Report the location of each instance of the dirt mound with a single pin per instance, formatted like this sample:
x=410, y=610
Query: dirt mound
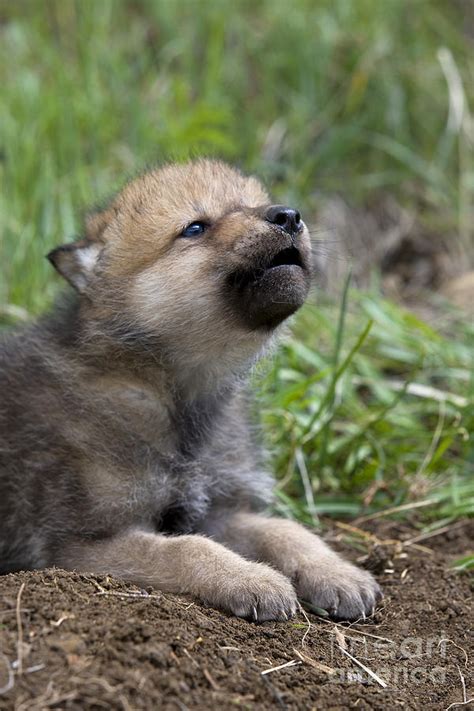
x=73, y=641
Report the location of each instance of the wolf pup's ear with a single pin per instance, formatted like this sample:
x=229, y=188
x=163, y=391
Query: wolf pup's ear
x=76, y=261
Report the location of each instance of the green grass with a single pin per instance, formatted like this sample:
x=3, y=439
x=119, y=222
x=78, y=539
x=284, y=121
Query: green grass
x=350, y=96
x=381, y=420
x=465, y=564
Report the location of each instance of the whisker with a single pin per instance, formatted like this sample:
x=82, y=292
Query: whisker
x=322, y=230
x=330, y=252
x=327, y=241
x=325, y=252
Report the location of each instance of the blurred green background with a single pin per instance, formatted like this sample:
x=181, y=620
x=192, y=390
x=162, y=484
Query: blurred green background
x=366, y=406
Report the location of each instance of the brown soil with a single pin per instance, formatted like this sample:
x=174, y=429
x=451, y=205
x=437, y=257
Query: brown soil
x=71, y=641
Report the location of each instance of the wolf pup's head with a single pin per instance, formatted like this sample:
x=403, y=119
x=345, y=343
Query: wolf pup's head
x=192, y=259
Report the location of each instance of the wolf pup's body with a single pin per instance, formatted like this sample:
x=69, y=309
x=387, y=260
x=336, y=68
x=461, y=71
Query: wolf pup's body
x=122, y=415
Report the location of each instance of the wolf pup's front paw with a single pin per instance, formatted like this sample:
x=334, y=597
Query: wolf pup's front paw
x=258, y=593
x=333, y=584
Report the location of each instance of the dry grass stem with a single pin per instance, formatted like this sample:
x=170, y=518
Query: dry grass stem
x=214, y=685
x=350, y=626
x=459, y=703
x=63, y=618
x=341, y=640
x=114, y=593
x=395, y=509
x=20, y=631
x=371, y=673
x=433, y=534
x=303, y=612
x=366, y=535
x=190, y=657
x=463, y=684
x=306, y=659
x=291, y=663
x=466, y=656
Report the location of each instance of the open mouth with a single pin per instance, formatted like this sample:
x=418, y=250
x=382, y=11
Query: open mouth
x=286, y=258
x=272, y=287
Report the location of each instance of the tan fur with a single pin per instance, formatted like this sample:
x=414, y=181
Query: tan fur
x=142, y=221
x=194, y=565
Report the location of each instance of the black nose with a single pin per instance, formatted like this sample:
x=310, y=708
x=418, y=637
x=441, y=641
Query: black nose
x=285, y=217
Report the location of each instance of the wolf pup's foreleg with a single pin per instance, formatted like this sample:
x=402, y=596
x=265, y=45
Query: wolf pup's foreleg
x=318, y=574
x=188, y=564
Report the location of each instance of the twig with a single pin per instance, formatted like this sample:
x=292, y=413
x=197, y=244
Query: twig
x=20, y=630
x=371, y=673
x=97, y=585
x=366, y=534
x=118, y=593
x=432, y=534
x=57, y=623
x=341, y=640
x=463, y=684
x=421, y=548
x=373, y=538
x=313, y=663
x=303, y=612
x=98, y=681
x=124, y=702
x=29, y=670
x=115, y=593
x=459, y=703
x=395, y=509
x=365, y=634
x=230, y=649
x=291, y=663
x=214, y=685
x=187, y=653
x=35, y=668
x=466, y=656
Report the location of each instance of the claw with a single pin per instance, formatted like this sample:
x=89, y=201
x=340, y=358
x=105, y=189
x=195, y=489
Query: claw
x=255, y=614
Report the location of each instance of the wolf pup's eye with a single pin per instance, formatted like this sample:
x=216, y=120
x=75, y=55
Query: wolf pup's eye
x=195, y=229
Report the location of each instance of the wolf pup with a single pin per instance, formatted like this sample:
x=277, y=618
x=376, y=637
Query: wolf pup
x=124, y=447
